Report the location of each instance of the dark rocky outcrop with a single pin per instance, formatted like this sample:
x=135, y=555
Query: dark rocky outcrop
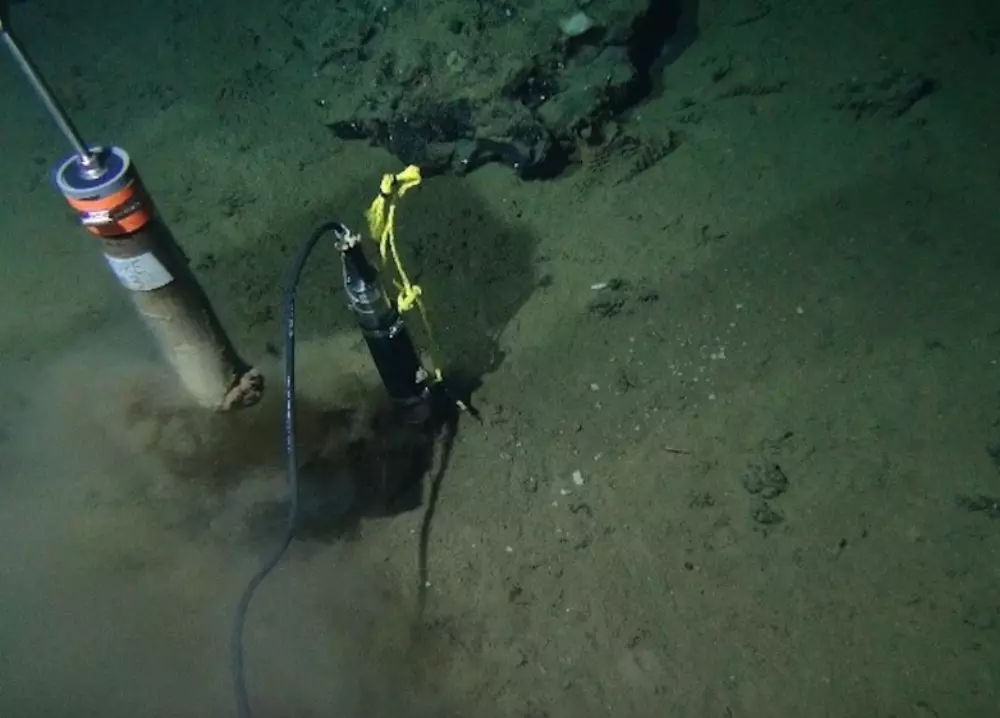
x=450, y=92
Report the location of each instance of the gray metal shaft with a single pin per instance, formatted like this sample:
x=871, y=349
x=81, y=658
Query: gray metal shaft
x=52, y=105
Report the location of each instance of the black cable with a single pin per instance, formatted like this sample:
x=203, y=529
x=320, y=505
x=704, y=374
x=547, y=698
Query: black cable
x=291, y=465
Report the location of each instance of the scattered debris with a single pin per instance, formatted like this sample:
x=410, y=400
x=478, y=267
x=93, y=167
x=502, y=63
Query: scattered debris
x=978, y=503
x=701, y=500
x=762, y=513
x=765, y=479
x=619, y=296
x=614, y=158
x=891, y=95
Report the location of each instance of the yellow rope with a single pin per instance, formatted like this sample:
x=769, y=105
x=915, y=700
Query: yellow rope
x=381, y=216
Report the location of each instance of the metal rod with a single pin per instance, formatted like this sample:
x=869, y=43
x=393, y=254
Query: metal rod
x=87, y=158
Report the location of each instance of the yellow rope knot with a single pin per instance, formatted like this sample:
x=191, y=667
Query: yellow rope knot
x=408, y=297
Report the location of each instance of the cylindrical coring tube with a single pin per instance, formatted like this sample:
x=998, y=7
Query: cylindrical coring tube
x=388, y=340
x=141, y=251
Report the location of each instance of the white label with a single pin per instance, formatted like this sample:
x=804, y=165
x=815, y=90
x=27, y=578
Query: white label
x=95, y=218
x=140, y=274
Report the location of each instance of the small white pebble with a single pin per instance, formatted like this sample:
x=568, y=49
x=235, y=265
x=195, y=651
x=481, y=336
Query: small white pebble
x=597, y=286
x=595, y=387
x=509, y=549
x=578, y=477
